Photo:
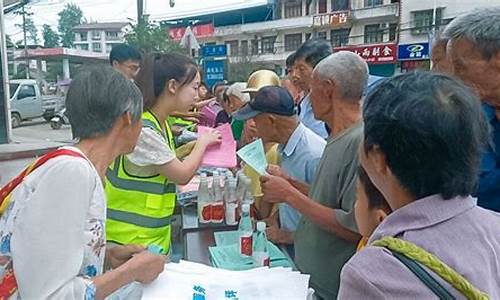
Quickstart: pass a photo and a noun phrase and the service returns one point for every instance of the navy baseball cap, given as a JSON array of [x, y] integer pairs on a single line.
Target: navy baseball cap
[[269, 99]]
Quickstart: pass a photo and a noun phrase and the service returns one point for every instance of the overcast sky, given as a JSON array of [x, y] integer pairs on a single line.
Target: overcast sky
[[45, 11]]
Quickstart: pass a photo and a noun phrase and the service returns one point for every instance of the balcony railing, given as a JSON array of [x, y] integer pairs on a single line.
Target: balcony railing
[[389, 10]]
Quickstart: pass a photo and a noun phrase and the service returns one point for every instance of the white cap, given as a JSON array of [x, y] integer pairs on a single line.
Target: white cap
[[245, 207], [215, 173], [261, 226], [203, 175]]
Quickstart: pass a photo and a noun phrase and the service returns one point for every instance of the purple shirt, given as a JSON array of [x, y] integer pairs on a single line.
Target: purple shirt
[[463, 235]]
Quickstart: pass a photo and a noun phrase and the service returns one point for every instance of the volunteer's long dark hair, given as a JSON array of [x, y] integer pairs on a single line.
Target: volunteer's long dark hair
[[157, 69]]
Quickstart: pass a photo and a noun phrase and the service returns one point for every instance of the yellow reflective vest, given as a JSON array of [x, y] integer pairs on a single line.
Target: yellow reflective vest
[[140, 209]]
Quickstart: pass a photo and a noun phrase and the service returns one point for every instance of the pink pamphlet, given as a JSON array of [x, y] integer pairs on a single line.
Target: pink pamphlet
[[208, 116], [221, 155]]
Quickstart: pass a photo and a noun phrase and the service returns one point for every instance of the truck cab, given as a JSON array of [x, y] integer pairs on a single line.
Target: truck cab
[[27, 102]]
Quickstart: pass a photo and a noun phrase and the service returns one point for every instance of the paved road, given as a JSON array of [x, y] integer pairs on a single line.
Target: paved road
[[40, 130]]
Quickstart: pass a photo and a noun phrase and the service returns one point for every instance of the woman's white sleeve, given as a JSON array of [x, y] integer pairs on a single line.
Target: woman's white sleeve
[[151, 149], [47, 243]]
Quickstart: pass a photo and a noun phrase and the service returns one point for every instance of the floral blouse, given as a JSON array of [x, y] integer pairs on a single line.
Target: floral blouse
[[53, 230]]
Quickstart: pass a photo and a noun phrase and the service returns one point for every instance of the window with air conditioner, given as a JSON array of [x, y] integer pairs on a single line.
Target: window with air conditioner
[[374, 34], [340, 37]]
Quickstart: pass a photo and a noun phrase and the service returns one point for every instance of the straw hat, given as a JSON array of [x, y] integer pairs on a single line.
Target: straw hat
[[260, 79]]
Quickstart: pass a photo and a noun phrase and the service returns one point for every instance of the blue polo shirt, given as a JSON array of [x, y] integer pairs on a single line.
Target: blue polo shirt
[[299, 159], [488, 193], [307, 118]]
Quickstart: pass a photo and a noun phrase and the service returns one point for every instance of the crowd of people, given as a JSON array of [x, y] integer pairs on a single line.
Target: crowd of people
[[379, 187]]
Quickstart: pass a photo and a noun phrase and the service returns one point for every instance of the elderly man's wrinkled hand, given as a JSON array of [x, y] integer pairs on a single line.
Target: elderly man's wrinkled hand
[[274, 188], [276, 171]]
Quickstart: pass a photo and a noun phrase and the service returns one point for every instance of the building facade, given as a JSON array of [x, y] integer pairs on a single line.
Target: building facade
[[422, 20], [100, 37], [391, 35]]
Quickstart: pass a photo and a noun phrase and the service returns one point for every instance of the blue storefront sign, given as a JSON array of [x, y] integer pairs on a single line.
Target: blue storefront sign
[[214, 50], [214, 71], [418, 51]]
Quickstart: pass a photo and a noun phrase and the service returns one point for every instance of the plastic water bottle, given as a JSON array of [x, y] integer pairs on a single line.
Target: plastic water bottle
[[241, 189], [204, 205], [231, 202], [260, 253], [218, 200], [248, 198], [245, 231]]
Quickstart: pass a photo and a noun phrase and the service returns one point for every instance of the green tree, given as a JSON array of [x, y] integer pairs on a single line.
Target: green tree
[[69, 17], [149, 37], [50, 37], [31, 31]]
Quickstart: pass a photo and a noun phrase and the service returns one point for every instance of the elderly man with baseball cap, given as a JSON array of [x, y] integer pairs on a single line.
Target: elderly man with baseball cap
[[300, 149]]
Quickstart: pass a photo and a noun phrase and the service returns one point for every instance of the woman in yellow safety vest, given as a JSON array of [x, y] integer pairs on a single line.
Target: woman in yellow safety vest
[[141, 186]]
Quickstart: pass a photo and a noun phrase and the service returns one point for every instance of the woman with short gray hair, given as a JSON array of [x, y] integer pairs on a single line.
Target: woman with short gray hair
[[236, 97], [52, 231]]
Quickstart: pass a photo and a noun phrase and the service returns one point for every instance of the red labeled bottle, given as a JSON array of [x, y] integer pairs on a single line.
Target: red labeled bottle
[[245, 232], [217, 201]]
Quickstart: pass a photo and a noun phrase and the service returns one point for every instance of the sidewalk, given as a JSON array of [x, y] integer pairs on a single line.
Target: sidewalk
[[14, 157]]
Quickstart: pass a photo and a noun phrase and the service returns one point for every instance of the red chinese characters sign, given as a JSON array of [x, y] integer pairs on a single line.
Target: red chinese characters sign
[[200, 31], [375, 54], [331, 19]]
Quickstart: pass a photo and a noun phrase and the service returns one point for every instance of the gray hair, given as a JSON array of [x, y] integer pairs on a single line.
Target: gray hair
[[348, 70], [481, 27], [97, 97], [236, 90]]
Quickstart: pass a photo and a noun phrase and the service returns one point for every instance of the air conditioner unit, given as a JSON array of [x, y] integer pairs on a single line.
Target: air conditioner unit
[[384, 25]]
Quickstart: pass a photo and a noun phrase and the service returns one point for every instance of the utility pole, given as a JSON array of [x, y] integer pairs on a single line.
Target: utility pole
[[25, 13], [140, 11]]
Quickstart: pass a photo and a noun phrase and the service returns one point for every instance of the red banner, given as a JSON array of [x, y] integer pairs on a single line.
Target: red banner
[[375, 54], [200, 31]]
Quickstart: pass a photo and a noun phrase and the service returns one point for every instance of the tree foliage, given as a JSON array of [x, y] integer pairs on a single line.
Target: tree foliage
[[69, 17], [31, 30], [50, 37], [149, 37]]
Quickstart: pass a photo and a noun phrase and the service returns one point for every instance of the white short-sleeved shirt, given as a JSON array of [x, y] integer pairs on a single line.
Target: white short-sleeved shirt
[[152, 150], [54, 230]]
